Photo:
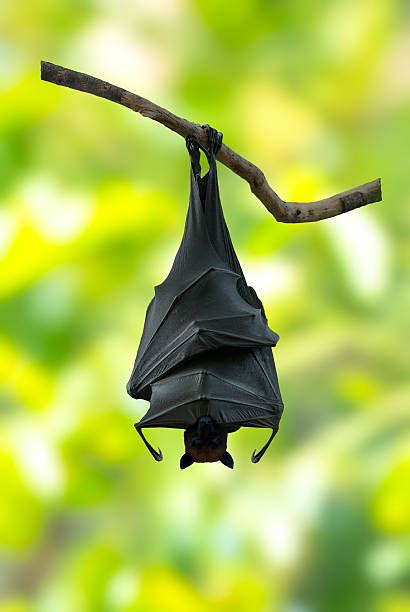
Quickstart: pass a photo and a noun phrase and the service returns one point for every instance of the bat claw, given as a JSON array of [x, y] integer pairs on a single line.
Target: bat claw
[[255, 456], [158, 456], [214, 138], [190, 142]]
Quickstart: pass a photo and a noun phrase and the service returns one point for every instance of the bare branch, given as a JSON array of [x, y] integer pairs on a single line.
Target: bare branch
[[286, 212]]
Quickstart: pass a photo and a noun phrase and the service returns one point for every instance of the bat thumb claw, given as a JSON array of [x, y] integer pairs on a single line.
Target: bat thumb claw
[[158, 456], [255, 456]]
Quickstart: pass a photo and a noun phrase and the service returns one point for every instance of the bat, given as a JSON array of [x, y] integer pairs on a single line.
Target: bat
[[205, 359]]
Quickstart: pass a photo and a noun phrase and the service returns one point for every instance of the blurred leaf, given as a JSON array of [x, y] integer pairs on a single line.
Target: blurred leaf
[[391, 504], [20, 512]]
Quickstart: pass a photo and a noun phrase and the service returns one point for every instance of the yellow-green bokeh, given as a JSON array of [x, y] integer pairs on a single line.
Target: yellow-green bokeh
[[92, 206]]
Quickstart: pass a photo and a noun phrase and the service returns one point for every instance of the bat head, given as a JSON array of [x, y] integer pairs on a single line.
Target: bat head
[[205, 442]]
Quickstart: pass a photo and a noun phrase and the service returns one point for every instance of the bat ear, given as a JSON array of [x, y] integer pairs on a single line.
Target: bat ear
[[185, 461], [227, 460]]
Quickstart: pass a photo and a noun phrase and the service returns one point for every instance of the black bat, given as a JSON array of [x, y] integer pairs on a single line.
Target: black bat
[[205, 361]]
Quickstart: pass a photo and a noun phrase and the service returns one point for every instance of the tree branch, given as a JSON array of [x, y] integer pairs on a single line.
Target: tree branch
[[286, 212]]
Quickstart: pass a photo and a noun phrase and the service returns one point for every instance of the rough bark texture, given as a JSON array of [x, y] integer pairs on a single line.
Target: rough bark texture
[[286, 212]]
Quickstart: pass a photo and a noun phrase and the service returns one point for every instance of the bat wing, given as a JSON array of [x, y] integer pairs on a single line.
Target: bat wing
[[210, 314], [233, 386]]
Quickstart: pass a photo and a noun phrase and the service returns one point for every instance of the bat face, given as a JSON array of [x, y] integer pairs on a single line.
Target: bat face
[[205, 442]]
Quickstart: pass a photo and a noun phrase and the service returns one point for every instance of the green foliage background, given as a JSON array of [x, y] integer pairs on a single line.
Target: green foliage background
[[93, 199]]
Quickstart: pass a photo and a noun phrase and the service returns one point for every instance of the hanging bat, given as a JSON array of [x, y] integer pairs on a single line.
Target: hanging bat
[[205, 360]]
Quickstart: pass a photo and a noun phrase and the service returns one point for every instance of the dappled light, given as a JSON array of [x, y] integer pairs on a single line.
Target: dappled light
[[93, 202]]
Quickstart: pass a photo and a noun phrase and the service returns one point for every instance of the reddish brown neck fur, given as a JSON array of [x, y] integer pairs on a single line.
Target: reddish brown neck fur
[[204, 453]]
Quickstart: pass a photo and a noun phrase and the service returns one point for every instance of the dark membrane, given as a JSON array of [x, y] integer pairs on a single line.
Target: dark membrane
[[206, 349]]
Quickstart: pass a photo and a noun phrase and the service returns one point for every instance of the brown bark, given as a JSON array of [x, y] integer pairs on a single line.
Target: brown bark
[[286, 212]]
